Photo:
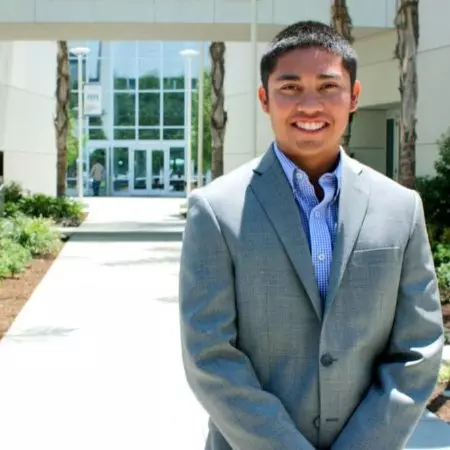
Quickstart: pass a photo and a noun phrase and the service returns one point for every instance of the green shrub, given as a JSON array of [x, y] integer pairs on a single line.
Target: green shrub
[[14, 258], [12, 192], [435, 190], [36, 234], [62, 210]]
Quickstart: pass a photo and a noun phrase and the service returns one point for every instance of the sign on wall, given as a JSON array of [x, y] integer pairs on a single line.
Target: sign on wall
[[93, 99]]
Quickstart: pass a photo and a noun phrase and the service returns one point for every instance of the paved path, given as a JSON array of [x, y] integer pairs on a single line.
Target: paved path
[[93, 361]]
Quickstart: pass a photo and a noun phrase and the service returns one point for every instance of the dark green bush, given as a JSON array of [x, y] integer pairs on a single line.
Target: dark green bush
[[12, 192], [62, 210], [435, 190]]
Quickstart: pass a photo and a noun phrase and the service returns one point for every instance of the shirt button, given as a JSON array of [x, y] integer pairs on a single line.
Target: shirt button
[[321, 256]]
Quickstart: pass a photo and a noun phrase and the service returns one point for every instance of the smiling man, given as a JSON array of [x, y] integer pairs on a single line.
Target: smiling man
[[309, 308]]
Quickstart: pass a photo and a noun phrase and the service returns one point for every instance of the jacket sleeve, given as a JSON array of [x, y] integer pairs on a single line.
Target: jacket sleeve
[[221, 376], [408, 370]]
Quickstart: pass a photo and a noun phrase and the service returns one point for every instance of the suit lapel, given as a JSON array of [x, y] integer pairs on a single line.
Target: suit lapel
[[273, 191], [353, 203]]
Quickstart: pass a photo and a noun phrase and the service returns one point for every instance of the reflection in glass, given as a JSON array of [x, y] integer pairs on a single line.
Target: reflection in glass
[[176, 169], [121, 48], [173, 71], [172, 134], [97, 134], [173, 108], [124, 133], [158, 169], [149, 72], [140, 169], [149, 109], [120, 169], [124, 109], [149, 134], [149, 49], [124, 72], [73, 66]]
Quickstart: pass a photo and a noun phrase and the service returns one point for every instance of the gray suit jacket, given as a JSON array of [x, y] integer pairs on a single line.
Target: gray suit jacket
[[273, 368]]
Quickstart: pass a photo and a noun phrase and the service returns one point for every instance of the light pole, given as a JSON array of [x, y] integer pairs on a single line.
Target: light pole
[[201, 96], [80, 52], [188, 54]]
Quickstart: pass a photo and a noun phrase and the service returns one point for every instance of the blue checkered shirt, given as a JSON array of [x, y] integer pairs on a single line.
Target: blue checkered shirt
[[319, 219]]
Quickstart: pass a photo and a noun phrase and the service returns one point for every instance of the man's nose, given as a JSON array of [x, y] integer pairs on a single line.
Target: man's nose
[[309, 102]]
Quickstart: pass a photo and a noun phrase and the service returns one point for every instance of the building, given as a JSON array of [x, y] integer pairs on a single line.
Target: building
[[141, 147], [140, 138]]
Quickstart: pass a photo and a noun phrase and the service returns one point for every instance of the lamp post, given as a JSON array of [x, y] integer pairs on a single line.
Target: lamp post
[[188, 54], [80, 52], [201, 96]]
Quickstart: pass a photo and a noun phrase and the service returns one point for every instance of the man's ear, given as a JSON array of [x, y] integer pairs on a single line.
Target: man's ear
[[355, 96], [263, 99]]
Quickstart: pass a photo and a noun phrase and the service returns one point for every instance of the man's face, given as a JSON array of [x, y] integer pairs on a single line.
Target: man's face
[[309, 99]]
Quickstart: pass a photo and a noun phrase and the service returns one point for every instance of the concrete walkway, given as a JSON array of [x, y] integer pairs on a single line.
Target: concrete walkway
[[93, 361]]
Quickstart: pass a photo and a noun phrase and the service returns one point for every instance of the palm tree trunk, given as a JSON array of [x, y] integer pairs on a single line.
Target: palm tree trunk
[[218, 113], [62, 121], [342, 23], [407, 24]]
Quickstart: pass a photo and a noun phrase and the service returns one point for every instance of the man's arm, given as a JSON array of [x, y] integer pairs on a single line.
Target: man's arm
[[407, 373], [221, 376]]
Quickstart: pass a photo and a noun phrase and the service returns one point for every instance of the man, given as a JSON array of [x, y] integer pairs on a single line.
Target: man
[[97, 177], [310, 314]]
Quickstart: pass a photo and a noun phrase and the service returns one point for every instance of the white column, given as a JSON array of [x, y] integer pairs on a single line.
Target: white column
[[253, 74], [80, 126]]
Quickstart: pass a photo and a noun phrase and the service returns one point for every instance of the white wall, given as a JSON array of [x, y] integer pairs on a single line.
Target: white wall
[[27, 108], [239, 100], [433, 65]]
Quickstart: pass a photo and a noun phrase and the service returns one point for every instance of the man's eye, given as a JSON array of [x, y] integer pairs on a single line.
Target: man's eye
[[290, 87], [328, 86]]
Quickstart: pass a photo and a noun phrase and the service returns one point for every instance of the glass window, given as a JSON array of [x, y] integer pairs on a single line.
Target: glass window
[[95, 121], [173, 70], [74, 102], [149, 133], [124, 133], [73, 66], [172, 134], [173, 108], [149, 109], [124, 109], [124, 70], [149, 49], [124, 48], [97, 133], [149, 72]]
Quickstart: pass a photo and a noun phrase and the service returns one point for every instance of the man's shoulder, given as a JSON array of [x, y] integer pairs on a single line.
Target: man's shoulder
[[231, 185], [383, 185]]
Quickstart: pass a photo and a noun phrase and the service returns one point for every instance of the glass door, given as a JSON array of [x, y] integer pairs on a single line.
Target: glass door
[[140, 171], [120, 171], [97, 157], [158, 171]]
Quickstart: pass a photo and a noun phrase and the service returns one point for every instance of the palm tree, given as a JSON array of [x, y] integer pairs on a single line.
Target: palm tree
[[407, 25], [342, 23], [218, 113], [62, 119]]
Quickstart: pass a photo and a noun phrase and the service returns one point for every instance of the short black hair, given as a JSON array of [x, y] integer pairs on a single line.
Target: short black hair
[[303, 35]]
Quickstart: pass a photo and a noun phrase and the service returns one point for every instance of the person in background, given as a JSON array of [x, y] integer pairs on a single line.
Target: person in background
[[96, 174]]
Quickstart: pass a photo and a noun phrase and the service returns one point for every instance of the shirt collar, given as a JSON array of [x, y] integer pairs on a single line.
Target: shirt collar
[[290, 168]]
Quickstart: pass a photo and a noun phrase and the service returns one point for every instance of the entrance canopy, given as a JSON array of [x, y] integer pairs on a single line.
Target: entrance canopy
[[193, 20]]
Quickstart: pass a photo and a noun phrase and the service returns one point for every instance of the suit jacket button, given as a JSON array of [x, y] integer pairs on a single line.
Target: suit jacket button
[[327, 360]]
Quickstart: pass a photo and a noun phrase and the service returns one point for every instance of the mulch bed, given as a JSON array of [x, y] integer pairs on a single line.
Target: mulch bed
[[439, 404], [15, 291]]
